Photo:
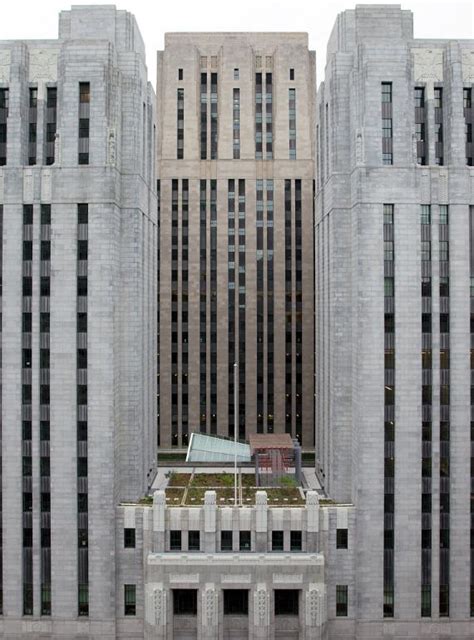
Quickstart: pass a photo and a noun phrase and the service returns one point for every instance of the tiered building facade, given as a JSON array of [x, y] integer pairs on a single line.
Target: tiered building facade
[[201, 217]]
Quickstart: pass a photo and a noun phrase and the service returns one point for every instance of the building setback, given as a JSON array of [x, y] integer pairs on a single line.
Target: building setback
[[235, 166], [78, 220], [394, 323]]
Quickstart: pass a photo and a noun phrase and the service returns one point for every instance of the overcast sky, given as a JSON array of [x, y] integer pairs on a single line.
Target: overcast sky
[[30, 19]]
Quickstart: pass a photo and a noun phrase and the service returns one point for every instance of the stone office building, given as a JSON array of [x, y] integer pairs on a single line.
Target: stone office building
[[239, 140], [78, 265], [235, 162], [394, 322]]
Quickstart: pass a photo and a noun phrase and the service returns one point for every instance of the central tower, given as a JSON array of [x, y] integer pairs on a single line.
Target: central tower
[[235, 167]]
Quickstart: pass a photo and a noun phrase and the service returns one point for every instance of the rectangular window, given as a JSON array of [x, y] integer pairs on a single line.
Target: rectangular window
[[287, 602], [296, 541], [258, 116], [180, 124], [438, 127], [214, 127], [204, 104], [32, 120], [420, 128], [469, 119], [341, 600], [175, 540], [185, 602], [277, 540], [341, 538], [226, 540], [194, 541], [425, 214], [84, 116], [130, 599], [292, 123], [236, 602], [387, 132], [4, 98], [244, 541], [236, 124], [129, 538]]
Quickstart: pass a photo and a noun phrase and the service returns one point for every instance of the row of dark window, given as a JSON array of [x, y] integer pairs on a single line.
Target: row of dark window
[[236, 601], [265, 293], [82, 393], [236, 74], [50, 124], [27, 461], [263, 116], [426, 362], [389, 395], [421, 129]]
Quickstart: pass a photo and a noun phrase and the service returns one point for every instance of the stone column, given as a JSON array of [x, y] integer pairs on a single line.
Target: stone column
[[159, 512], [261, 612], [312, 525], [155, 612], [208, 627], [261, 522], [210, 513], [314, 612]]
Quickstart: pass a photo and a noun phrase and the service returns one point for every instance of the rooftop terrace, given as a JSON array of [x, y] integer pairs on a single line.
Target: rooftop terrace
[[186, 487]]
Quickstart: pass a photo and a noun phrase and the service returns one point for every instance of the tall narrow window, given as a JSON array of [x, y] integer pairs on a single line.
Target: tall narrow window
[[26, 409], [184, 311], [130, 599], [180, 124], [389, 413], [84, 120], [444, 413], [298, 314], [260, 307], [468, 124], [420, 126], [341, 600], [232, 260], [258, 117], [174, 312], [213, 306], [387, 134], [203, 306], [44, 360], [269, 115], [236, 124], [82, 425], [426, 425], [3, 125], [292, 123], [242, 307], [50, 124], [288, 310], [270, 308], [214, 123], [204, 102], [32, 124], [438, 126]]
